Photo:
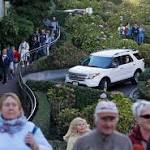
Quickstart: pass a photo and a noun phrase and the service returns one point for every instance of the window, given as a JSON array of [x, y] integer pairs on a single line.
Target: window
[[98, 61], [117, 60], [126, 59], [137, 56]]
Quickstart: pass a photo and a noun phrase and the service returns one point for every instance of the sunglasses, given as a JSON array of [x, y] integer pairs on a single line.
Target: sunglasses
[[146, 116]]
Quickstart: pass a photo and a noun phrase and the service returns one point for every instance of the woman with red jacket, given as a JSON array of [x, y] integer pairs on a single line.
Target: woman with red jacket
[[140, 134], [16, 58]]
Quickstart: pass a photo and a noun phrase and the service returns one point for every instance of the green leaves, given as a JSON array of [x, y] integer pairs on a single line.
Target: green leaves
[[14, 29], [144, 84]]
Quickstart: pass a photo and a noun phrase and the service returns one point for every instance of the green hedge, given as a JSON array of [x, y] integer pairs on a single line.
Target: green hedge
[[144, 85], [145, 50], [63, 56], [58, 145], [40, 85], [68, 101]]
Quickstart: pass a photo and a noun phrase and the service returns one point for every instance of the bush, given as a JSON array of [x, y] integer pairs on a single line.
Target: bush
[[144, 85], [81, 101], [63, 120], [58, 145], [145, 50], [40, 85], [124, 104], [13, 26], [64, 56], [126, 121]]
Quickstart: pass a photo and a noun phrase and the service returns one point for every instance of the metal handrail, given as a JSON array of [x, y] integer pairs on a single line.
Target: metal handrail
[[23, 86]]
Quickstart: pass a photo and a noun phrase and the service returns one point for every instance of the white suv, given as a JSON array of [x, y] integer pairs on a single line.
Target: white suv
[[105, 67]]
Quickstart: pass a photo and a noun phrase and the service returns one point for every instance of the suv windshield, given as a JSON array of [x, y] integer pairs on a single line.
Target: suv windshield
[[97, 61]]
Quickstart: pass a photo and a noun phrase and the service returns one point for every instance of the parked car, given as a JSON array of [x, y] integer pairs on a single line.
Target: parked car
[[103, 68]]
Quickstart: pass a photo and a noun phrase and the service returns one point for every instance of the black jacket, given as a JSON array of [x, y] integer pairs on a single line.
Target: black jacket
[[5, 63]]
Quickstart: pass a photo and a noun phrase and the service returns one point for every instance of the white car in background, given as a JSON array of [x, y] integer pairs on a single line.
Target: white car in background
[[103, 68]]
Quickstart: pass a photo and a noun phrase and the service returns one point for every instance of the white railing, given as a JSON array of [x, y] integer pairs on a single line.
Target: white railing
[[26, 91]]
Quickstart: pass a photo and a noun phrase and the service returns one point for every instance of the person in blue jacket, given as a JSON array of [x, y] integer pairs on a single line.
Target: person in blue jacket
[[141, 35], [11, 66], [16, 132]]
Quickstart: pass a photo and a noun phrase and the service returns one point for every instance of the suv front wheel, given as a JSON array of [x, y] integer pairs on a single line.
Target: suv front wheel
[[104, 84], [135, 79]]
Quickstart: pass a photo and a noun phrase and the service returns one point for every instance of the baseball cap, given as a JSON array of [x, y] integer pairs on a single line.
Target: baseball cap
[[106, 106]]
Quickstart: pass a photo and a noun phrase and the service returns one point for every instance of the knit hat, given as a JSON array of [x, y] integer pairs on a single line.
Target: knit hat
[[106, 106]]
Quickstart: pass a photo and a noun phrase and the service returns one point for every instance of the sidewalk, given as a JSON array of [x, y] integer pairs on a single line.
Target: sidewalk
[[11, 86]]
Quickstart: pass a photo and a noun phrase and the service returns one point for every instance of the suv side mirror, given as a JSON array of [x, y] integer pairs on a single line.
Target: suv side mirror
[[84, 61], [80, 62], [114, 65]]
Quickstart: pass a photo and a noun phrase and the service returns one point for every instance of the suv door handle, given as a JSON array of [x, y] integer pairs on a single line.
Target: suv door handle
[[134, 64], [121, 68]]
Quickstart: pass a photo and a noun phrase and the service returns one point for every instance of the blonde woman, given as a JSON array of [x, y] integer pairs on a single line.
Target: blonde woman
[[77, 128]]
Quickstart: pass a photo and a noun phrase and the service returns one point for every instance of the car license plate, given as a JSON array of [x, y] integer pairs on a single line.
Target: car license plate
[[75, 83]]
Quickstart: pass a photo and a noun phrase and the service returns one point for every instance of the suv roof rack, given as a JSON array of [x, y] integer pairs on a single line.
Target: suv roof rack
[[127, 50]]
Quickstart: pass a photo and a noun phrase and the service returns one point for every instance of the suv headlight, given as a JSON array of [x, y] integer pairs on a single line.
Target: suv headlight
[[93, 75]]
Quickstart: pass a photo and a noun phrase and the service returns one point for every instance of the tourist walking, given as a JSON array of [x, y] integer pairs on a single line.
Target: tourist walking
[[24, 52], [16, 133], [104, 136], [141, 35], [4, 65], [54, 25], [16, 58]]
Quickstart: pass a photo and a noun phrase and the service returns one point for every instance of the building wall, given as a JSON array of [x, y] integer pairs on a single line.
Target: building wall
[[1, 8]]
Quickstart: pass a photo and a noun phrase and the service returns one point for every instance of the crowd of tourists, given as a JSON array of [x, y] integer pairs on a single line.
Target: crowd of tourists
[[105, 136], [41, 40], [135, 32], [20, 133]]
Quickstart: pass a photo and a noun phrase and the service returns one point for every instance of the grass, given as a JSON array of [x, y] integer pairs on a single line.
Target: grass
[[42, 120], [42, 117]]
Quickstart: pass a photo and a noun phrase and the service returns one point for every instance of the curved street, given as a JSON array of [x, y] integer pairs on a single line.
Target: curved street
[[59, 75]]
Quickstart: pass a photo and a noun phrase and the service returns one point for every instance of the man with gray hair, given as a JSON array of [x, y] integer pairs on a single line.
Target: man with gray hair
[[104, 136]]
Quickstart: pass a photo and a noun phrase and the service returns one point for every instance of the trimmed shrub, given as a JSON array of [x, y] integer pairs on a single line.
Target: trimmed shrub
[[67, 102], [63, 120], [58, 145], [124, 104], [40, 85], [144, 85], [145, 51], [126, 121], [64, 56]]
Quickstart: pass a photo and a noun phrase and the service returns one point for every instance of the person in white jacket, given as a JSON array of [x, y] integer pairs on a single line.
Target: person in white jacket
[[16, 133], [24, 52]]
